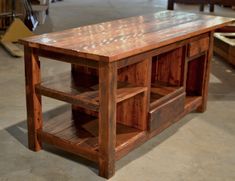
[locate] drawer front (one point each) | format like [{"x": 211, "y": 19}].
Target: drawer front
[
  {"x": 165, "y": 114},
  {"x": 198, "y": 46}
]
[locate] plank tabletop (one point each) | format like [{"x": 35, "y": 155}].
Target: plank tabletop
[{"x": 118, "y": 39}]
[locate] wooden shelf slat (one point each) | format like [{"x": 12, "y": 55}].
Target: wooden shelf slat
[
  {"x": 81, "y": 136},
  {"x": 62, "y": 87}
]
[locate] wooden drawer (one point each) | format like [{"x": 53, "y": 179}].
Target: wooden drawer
[
  {"x": 198, "y": 46},
  {"x": 165, "y": 114}
]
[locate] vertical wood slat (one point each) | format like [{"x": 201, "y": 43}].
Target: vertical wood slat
[
  {"x": 107, "y": 118},
  {"x": 34, "y": 112},
  {"x": 6, "y": 6},
  {"x": 206, "y": 75},
  {"x": 184, "y": 67}
]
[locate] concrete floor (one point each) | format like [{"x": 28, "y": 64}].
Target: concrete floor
[{"x": 199, "y": 147}]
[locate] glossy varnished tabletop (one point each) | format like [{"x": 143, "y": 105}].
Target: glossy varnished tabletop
[{"x": 114, "y": 40}]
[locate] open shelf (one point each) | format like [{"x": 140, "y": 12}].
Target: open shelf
[
  {"x": 167, "y": 77},
  {"x": 85, "y": 92},
  {"x": 161, "y": 92},
  {"x": 194, "y": 82},
  {"x": 82, "y": 135}
]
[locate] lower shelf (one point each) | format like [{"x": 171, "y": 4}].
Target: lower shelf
[
  {"x": 192, "y": 103},
  {"x": 81, "y": 136}
]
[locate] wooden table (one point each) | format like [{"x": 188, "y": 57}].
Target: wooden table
[
  {"x": 202, "y": 3},
  {"x": 130, "y": 80},
  {"x": 225, "y": 46}
]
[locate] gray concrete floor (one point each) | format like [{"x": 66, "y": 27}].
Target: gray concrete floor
[{"x": 199, "y": 147}]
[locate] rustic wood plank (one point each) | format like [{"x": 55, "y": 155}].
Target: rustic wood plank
[
  {"x": 184, "y": 67},
  {"x": 33, "y": 100}
]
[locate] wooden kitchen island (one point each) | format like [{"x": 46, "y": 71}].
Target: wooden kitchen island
[{"x": 130, "y": 79}]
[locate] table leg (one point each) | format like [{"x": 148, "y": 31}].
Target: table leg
[
  {"x": 206, "y": 76},
  {"x": 170, "y": 5},
  {"x": 33, "y": 100},
  {"x": 107, "y": 118},
  {"x": 212, "y": 7}
]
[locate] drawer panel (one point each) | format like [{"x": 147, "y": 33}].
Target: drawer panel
[
  {"x": 198, "y": 46},
  {"x": 165, "y": 114}
]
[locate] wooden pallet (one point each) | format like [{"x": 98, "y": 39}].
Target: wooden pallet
[{"x": 225, "y": 46}]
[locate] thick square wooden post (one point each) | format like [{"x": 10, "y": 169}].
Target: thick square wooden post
[
  {"x": 33, "y": 100},
  {"x": 107, "y": 118},
  {"x": 201, "y": 7},
  {"x": 206, "y": 76}
]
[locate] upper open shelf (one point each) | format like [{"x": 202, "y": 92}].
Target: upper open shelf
[{"x": 83, "y": 93}]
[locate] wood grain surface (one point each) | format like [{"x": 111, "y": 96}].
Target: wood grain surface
[{"x": 115, "y": 40}]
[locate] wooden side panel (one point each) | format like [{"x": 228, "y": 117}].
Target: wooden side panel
[
  {"x": 127, "y": 37},
  {"x": 107, "y": 118},
  {"x": 33, "y": 100},
  {"x": 166, "y": 113},
  {"x": 133, "y": 112},
  {"x": 167, "y": 69}
]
